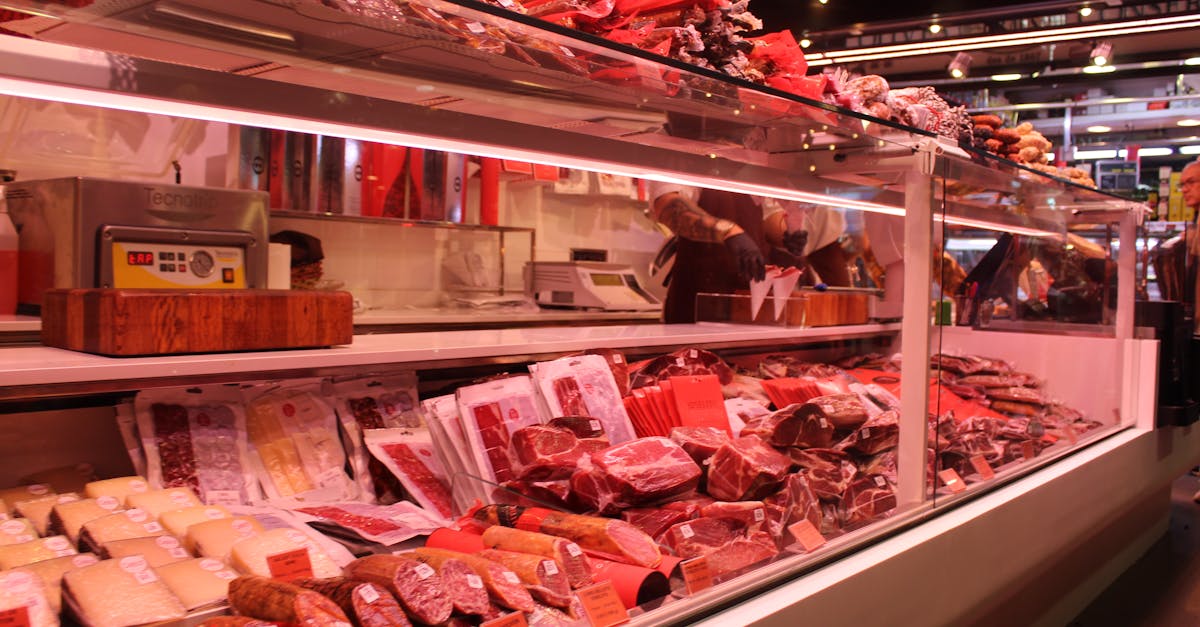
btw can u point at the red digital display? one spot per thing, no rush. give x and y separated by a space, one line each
139 258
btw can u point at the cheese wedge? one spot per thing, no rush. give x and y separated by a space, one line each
118 488
118 593
131 523
283 553
216 538
17 531
71 478
178 521
158 502
51 573
69 518
38 510
12 496
158 550
198 582
21 590
17 555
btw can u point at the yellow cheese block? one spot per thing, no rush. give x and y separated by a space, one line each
264 554
12 496
130 523
25 590
178 521
198 582
38 510
51 573
158 550
158 502
120 593
118 488
71 478
216 538
17 555
17 531
68 518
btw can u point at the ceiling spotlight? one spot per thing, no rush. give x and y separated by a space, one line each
823 1
1085 10
805 41
935 28
959 65
1101 53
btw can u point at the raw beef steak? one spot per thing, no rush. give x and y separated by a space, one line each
745 469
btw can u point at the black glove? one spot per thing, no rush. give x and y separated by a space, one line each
794 242
750 264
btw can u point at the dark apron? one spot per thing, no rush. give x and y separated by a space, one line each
706 267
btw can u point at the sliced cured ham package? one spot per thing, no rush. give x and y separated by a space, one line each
491 412
196 438
584 386
376 402
408 454
450 443
383 524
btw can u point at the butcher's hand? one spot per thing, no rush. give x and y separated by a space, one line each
750 263
794 242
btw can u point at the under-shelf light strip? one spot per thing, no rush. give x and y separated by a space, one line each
1005 40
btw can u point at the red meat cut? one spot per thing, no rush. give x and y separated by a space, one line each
683 362
798 424
698 537
545 453
829 471
876 435
745 469
799 503
634 473
653 520
866 499
699 442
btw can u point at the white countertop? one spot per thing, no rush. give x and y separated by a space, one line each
41 365
20 324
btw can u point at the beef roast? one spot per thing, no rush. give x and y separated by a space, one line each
829 471
844 411
699 442
545 453
683 362
698 537
745 469
867 499
877 434
799 424
635 473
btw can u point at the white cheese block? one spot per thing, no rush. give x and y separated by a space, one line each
69 518
177 521
12 496
51 573
38 510
260 554
158 550
118 488
131 523
24 595
17 531
157 502
17 555
120 593
216 538
198 582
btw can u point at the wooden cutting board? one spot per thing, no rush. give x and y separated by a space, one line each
163 322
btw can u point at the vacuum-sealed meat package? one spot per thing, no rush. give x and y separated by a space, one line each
409 456
376 402
584 386
491 412
196 437
450 444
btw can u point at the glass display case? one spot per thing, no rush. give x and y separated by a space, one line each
962 380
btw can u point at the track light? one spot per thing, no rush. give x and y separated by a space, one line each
935 28
959 65
805 41
1101 53
1085 11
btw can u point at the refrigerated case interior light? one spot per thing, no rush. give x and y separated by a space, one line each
1007 77
1189 150
1099 128
1156 152
1095 154
1098 69
1192 61
1188 122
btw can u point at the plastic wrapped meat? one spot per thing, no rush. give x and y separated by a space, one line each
745 469
829 471
799 503
636 473
845 411
701 536
741 553
699 442
798 424
750 516
548 453
653 520
866 499
584 386
1017 395
491 411
688 361
786 366
878 434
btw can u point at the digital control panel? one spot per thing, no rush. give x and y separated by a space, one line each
160 265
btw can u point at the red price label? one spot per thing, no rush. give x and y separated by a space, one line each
807 535
696 574
515 619
291 565
982 467
951 480
15 617
602 605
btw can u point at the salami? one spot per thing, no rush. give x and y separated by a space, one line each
416 585
235 621
273 600
542 577
367 604
503 585
463 586
616 538
567 554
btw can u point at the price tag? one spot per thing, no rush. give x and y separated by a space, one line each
550 567
685 530
153 527
951 480
475 581
180 498
107 502
211 565
57 543
866 433
1028 450
178 552
982 467
39 489
602 605
87 559
167 542
514 619
476 27
697 575
213 513
824 423
290 565
368 593
425 571
223 497
15 617
759 515
807 535
511 577
145 577
137 485
574 549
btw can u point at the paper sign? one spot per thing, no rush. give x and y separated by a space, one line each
781 289
807 535
15 617
290 565
696 574
515 619
758 295
951 479
982 467
700 402
602 605
1028 450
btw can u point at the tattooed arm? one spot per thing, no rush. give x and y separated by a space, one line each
687 220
